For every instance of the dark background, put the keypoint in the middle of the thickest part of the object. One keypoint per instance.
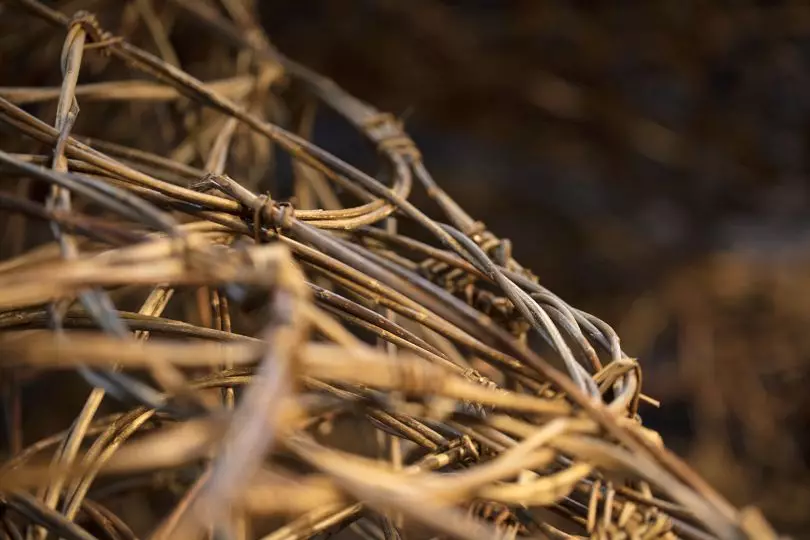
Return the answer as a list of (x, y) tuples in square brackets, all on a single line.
[(649, 162)]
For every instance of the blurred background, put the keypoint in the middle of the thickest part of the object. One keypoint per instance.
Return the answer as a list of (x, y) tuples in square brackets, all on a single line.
[(649, 160)]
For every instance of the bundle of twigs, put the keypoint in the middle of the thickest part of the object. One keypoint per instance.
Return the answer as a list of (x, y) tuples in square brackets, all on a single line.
[(246, 340)]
